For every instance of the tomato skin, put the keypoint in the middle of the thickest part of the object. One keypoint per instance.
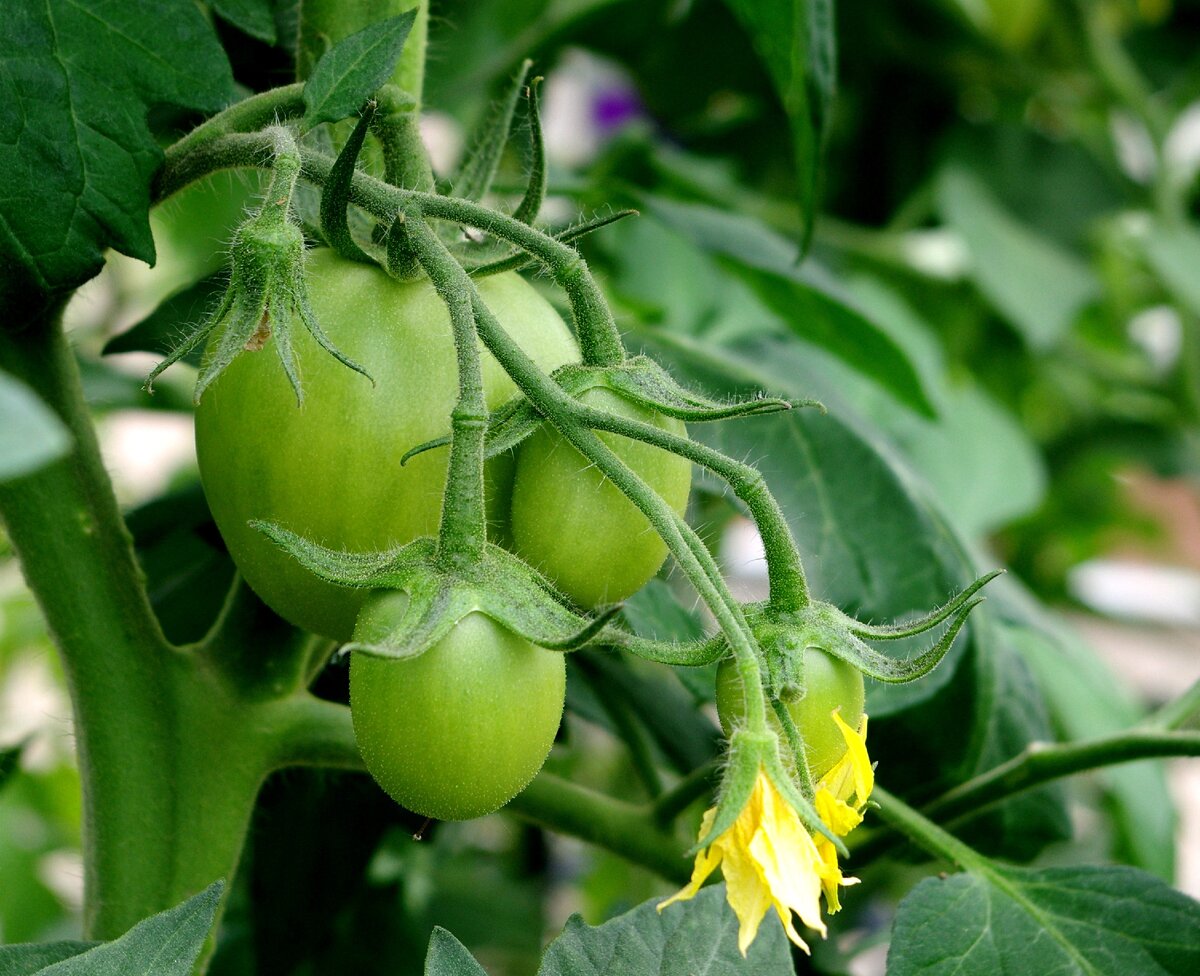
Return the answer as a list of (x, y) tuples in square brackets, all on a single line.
[(460, 730), (330, 470), (829, 683), (575, 526)]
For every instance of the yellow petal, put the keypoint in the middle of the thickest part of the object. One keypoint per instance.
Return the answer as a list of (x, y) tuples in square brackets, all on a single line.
[(851, 775), (789, 859), (836, 814), (704, 865)]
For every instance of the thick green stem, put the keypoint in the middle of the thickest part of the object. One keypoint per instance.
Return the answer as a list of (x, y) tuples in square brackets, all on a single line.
[(598, 819), (166, 793)]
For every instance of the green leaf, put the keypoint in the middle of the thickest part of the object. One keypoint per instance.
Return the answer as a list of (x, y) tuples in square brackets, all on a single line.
[(796, 40), (1035, 284), (352, 70), (255, 17), (76, 156), (31, 435), (806, 299), (29, 958), (983, 467), (449, 957), (166, 944), (162, 330), (697, 937), (1111, 921)]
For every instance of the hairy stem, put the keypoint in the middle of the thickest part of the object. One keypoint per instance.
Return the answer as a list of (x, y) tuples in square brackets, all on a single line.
[(462, 534), (599, 819), (1038, 764)]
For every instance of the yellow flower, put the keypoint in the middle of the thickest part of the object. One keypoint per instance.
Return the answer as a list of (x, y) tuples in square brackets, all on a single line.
[(769, 858)]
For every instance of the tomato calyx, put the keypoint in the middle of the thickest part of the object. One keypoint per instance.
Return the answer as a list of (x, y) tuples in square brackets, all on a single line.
[(496, 584), (266, 291)]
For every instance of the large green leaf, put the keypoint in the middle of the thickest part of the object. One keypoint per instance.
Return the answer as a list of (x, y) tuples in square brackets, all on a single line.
[(76, 156), (255, 17), (693, 938), (28, 958), (31, 435), (795, 39), (449, 957), (807, 299), (1112, 921), (166, 944), (1034, 283)]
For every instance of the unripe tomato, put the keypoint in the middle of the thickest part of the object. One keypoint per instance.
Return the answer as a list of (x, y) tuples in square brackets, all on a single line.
[(330, 470), (460, 730), (829, 683), (575, 526)]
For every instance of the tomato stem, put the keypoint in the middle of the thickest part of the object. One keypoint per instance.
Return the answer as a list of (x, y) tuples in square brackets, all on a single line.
[(462, 533)]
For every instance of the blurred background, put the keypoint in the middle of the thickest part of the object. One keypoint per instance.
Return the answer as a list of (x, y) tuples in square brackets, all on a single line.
[(1008, 200)]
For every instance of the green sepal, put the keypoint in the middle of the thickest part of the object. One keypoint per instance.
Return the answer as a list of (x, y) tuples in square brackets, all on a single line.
[(531, 204), (475, 178), (266, 294), (335, 196), (520, 261), (497, 585), (642, 381), (784, 636), (930, 620), (687, 654)]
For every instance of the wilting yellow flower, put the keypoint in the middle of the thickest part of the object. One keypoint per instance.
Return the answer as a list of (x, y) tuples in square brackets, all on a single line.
[(769, 858), (841, 795)]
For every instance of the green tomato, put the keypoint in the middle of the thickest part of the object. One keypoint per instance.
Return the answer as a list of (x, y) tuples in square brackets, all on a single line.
[(330, 470), (575, 526), (829, 683), (461, 729)]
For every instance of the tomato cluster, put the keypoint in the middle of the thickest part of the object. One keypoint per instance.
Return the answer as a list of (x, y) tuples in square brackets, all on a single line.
[(458, 730)]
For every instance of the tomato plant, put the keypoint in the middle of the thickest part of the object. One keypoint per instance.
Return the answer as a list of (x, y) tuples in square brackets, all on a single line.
[(906, 288), (829, 684), (332, 470), (569, 521), (458, 731)]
